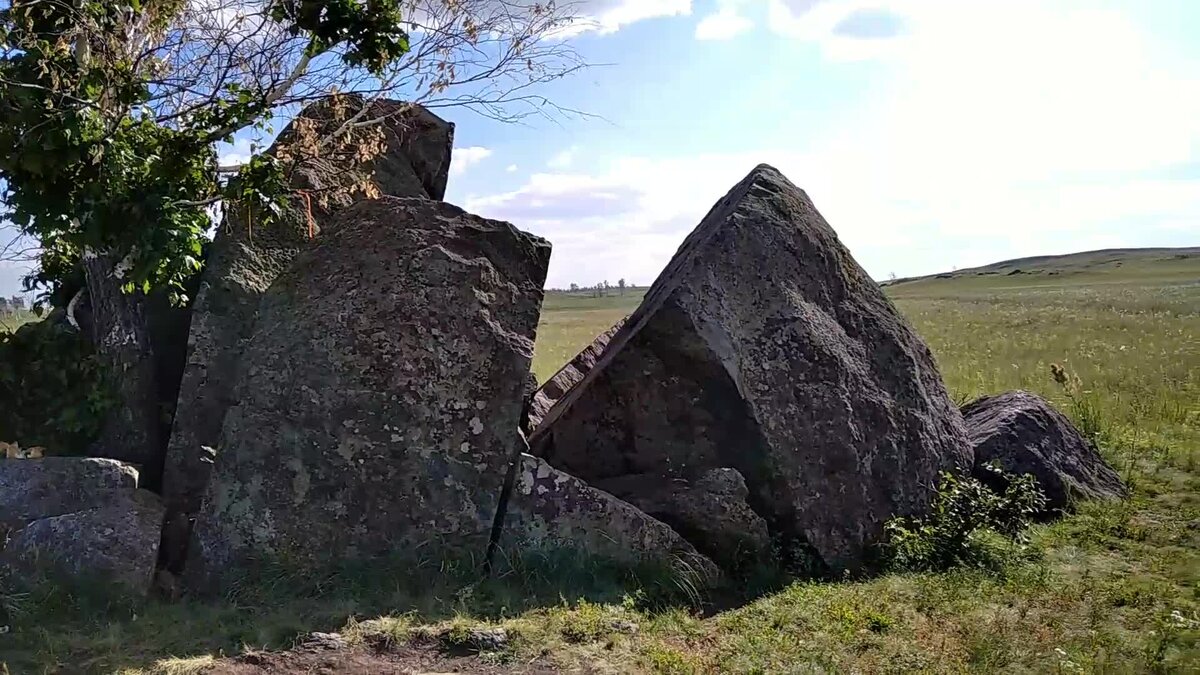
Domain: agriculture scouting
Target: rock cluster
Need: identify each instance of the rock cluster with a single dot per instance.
(357, 384)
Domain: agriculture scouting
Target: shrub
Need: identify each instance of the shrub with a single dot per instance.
(53, 392)
(970, 525)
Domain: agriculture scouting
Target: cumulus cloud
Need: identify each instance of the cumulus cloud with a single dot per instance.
(511, 168)
(462, 159)
(724, 24)
(563, 159)
(971, 152)
(843, 29)
(609, 16)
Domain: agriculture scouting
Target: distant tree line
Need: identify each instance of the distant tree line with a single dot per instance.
(601, 289)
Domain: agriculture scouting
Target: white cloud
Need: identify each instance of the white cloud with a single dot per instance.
(724, 24)
(462, 159)
(1003, 131)
(563, 159)
(236, 153)
(609, 16)
(843, 29)
(511, 168)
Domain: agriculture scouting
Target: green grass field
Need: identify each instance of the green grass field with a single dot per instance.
(1113, 588)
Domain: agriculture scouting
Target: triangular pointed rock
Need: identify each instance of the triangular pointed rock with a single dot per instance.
(764, 347)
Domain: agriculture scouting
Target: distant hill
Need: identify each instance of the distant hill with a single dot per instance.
(1070, 262)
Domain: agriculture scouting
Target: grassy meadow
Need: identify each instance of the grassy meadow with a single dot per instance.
(1112, 588)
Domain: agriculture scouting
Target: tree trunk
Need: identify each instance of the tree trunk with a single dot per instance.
(132, 432)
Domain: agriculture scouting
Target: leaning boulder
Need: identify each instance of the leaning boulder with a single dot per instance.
(1024, 434)
(82, 519)
(380, 393)
(711, 512)
(244, 261)
(568, 376)
(764, 347)
(549, 509)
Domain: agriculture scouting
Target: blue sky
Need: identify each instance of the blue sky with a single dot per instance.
(930, 133)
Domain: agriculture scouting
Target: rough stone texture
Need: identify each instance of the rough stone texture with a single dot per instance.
(568, 376)
(527, 401)
(764, 347)
(243, 263)
(32, 489)
(710, 512)
(115, 542)
(380, 395)
(551, 509)
(1025, 434)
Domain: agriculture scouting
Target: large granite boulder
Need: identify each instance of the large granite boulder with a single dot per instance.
(1024, 434)
(243, 263)
(568, 376)
(81, 519)
(764, 347)
(380, 394)
(710, 511)
(549, 509)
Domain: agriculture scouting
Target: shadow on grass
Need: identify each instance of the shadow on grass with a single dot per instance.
(56, 627)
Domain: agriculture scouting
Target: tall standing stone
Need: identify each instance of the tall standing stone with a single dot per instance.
(380, 396)
(764, 347)
(245, 260)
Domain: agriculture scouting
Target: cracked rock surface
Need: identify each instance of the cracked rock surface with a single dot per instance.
(380, 393)
(764, 347)
(79, 518)
(244, 262)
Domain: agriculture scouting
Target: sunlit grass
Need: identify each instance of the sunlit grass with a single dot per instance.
(14, 320)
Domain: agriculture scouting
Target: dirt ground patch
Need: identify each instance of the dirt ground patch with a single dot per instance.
(406, 660)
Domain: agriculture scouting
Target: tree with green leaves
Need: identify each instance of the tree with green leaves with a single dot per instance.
(112, 111)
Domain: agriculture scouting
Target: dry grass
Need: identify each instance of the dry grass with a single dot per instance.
(12, 321)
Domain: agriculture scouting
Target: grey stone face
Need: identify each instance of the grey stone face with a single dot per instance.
(764, 347)
(116, 542)
(710, 512)
(32, 489)
(245, 260)
(551, 509)
(1024, 434)
(79, 518)
(380, 393)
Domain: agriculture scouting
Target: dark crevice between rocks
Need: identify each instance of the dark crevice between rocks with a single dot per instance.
(510, 478)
